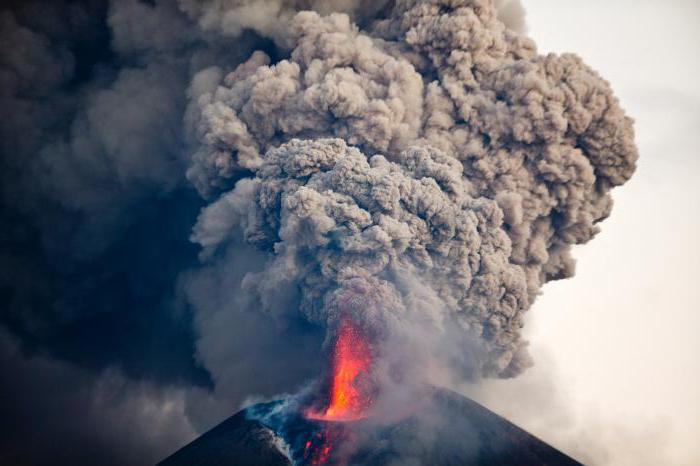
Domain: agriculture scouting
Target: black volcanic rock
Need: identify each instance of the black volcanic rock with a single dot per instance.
(448, 430)
(236, 441)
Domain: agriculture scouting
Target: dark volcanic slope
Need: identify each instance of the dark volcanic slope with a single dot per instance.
(451, 430)
(236, 441)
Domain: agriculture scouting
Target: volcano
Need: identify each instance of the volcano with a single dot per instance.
(447, 429)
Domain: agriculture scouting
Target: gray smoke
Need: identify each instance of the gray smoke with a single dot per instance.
(413, 163)
(433, 143)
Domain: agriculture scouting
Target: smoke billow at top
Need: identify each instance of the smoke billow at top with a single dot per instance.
(414, 165)
(432, 143)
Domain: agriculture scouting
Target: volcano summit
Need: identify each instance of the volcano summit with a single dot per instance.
(347, 425)
(447, 429)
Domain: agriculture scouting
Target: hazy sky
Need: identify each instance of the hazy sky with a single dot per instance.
(617, 379)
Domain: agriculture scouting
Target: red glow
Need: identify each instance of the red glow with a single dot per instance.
(316, 452)
(349, 396)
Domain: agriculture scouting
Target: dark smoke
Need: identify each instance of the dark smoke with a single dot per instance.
(421, 152)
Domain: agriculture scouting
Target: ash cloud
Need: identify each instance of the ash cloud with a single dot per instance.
(366, 147)
(87, 418)
(434, 142)
(95, 207)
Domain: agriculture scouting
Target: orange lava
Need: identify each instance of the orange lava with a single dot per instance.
(349, 397)
(317, 455)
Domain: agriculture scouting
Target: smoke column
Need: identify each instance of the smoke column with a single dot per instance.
(426, 174)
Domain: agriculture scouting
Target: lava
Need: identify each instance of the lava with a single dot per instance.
(318, 450)
(349, 385)
(350, 392)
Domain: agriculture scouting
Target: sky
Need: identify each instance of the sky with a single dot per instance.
(617, 374)
(93, 194)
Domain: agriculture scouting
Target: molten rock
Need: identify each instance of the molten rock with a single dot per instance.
(349, 397)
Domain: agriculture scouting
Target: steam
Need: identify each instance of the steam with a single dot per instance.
(434, 144)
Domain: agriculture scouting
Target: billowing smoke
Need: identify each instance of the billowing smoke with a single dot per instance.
(433, 143)
(415, 164)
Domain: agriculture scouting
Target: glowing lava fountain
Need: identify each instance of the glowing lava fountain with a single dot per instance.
(350, 388)
(350, 392)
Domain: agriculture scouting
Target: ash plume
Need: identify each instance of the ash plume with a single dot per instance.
(434, 143)
(413, 163)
